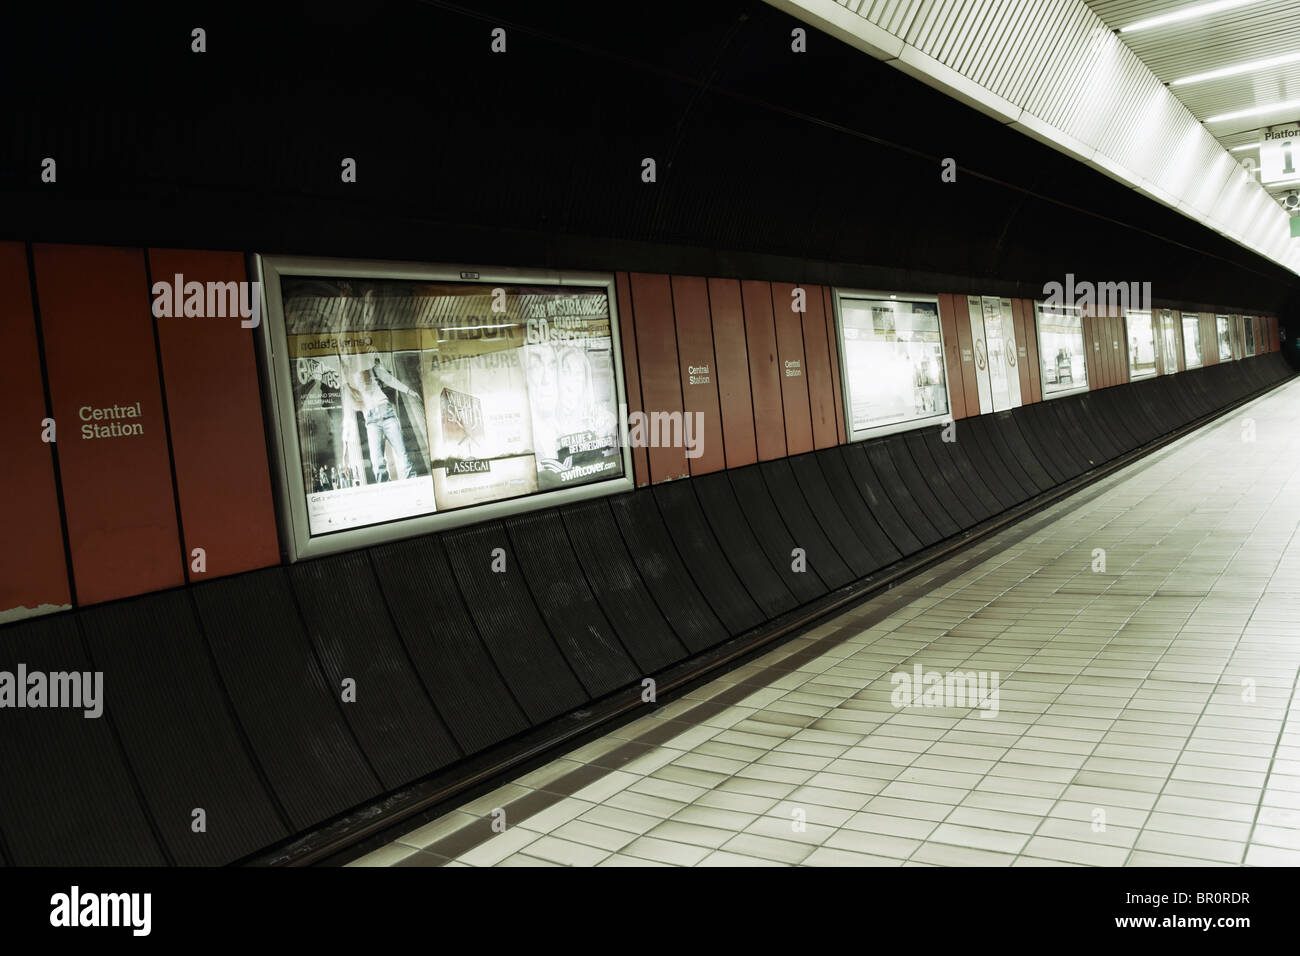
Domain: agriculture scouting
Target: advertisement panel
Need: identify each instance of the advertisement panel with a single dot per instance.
(405, 397)
(892, 350)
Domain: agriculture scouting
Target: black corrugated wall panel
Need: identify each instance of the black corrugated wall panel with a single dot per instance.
(830, 515)
(940, 474)
(292, 717)
(515, 634)
(178, 732)
(906, 539)
(803, 524)
(618, 587)
(387, 707)
(930, 522)
(763, 579)
(430, 614)
(67, 798)
(769, 527)
(661, 568)
(911, 483)
(855, 508)
(704, 558)
(562, 594)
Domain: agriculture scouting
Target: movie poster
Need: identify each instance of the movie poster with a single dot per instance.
(569, 365)
(357, 394)
(413, 397)
(477, 407)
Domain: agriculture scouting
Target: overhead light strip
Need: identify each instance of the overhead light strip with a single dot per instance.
(1252, 67)
(1255, 111)
(1187, 13)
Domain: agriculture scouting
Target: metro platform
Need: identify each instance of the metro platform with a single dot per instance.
(1139, 712)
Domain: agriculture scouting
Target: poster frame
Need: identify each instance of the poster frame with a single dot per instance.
(838, 295)
(1087, 386)
(297, 541)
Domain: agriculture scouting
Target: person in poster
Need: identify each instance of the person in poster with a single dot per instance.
(364, 380)
(573, 432)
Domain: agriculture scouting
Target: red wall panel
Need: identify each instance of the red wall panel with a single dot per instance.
(966, 343)
(215, 412)
(661, 387)
(793, 369)
(631, 370)
(733, 372)
(822, 394)
(698, 371)
(764, 371)
(1035, 363)
(1121, 350)
(33, 567)
(1107, 336)
(1092, 354)
(1178, 337)
(1275, 337)
(952, 352)
(100, 354)
(1022, 350)
(833, 341)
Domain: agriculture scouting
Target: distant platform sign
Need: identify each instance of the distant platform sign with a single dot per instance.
(1278, 146)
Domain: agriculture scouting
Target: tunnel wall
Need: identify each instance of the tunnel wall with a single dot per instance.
(224, 695)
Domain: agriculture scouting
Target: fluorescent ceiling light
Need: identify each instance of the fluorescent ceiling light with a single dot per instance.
(1252, 67)
(1240, 149)
(1256, 111)
(1187, 13)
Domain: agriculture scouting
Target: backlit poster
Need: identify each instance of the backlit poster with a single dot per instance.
(413, 397)
(1141, 344)
(893, 361)
(1000, 347)
(1169, 341)
(359, 414)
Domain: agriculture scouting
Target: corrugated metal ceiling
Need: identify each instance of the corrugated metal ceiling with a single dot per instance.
(1253, 31)
(1059, 71)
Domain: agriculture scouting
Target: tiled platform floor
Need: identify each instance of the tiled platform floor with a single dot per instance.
(1146, 712)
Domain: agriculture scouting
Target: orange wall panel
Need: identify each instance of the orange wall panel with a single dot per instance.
(793, 368)
(764, 369)
(698, 371)
(1031, 343)
(733, 372)
(1181, 354)
(661, 387)
(952, 357)
(100, 355)
(631, 369)
(1108, 338)
(823, 393)
(33, 566)
(215, 412)
(1092, 353)
(833, 342)
(966, 346)
(1121, 350)
(1022, 350)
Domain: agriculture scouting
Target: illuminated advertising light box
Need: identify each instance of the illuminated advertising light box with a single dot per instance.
(407, 399)
(891, 349)
(1061, 349)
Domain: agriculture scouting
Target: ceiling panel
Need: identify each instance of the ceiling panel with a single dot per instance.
(1059, 71)
(1254, 31)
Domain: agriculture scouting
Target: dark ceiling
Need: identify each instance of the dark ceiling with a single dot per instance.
(821, 166)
